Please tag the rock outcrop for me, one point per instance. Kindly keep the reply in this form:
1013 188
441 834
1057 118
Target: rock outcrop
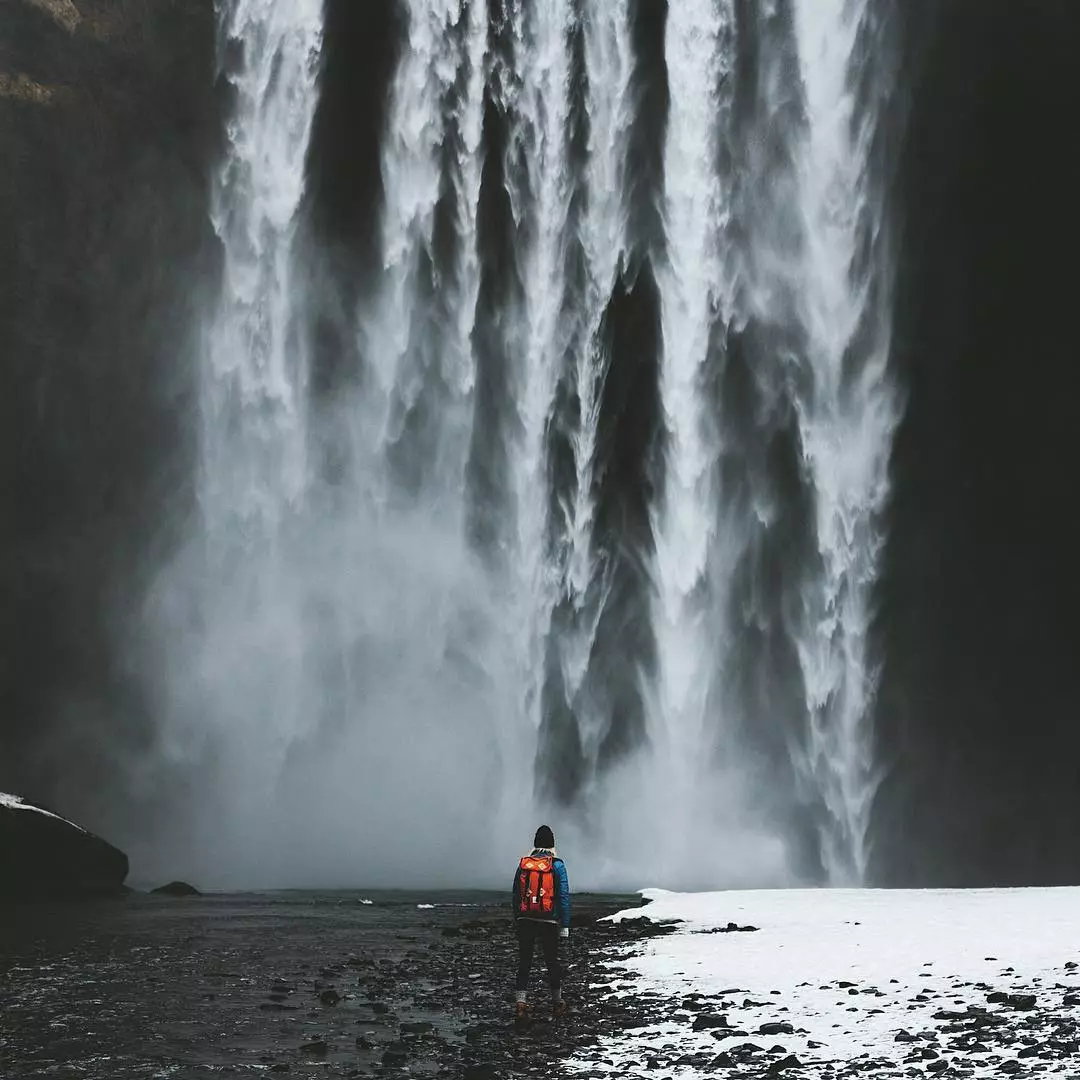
176 888
43 855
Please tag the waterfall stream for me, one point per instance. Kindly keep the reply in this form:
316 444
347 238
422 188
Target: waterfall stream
603 534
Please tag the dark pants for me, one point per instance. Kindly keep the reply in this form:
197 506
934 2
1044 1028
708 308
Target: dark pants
529 932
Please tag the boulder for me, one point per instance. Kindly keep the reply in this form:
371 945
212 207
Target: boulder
176 888
43 855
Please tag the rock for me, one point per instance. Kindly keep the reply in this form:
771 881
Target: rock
176 888
1023 1002
317 1046
790 1062
780 1028
704 1021
330 997
43 855
731 928
395 1054
483 1071
954 1014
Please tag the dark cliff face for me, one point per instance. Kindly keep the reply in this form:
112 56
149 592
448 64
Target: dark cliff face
979 603
107 123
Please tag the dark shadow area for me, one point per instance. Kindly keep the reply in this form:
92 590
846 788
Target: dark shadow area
103 233
978 618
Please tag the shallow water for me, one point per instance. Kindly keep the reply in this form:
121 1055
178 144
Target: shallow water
230 984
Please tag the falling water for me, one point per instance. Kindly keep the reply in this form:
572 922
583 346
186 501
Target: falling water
848 413
254 378
699 37
255 374
583 214
541 574
417 331
228 606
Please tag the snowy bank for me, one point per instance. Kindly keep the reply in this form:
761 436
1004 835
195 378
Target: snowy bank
839 982
45 855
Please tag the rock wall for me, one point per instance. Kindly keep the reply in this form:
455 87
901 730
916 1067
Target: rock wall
978 605
107 128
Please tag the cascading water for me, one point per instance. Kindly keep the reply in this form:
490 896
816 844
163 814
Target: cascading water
599 536
810 272
698 47
254 379
235 635
847 414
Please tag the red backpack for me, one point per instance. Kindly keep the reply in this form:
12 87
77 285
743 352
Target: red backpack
536 885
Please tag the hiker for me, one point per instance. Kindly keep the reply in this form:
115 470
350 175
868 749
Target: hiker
541 906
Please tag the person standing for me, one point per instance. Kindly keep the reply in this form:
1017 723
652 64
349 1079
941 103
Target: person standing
541 906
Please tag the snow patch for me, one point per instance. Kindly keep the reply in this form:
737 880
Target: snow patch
848 969
14 802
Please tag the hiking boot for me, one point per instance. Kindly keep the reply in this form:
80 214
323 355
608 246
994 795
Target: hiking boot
558 1008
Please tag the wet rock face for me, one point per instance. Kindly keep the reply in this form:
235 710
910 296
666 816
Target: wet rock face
108 124
42 855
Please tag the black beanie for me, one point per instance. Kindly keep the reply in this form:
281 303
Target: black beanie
544 837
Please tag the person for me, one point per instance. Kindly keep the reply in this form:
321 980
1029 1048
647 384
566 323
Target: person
541 905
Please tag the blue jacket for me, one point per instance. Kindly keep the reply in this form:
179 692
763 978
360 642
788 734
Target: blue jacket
562 892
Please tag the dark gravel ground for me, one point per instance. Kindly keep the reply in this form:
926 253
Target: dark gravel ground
293 983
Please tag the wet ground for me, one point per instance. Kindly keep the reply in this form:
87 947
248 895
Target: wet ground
303 984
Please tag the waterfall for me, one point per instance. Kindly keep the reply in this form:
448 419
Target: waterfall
231 609
590 528
253 479
254 378
699 42
847 412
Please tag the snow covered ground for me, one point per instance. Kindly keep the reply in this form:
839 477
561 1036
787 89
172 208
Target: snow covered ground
13 802
849 970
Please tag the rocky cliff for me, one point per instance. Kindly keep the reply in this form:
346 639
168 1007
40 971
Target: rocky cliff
107 125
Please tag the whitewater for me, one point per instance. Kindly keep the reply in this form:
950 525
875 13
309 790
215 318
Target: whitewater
587 524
